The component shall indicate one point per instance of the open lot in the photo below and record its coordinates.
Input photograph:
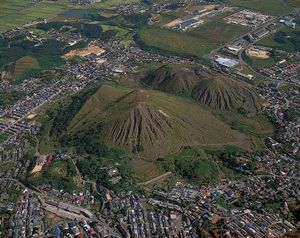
(259, 63)
(84, 52)
(140, 166)
(272, 7)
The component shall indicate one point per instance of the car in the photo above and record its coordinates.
(86, 228)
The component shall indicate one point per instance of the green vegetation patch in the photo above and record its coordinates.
(173, 42)
(3, 137)
(12, 195)
(195, 42)
(272, 206)
(24, 64)
(15, 13)
(195, 165)
(61, 174)
(220, 201)
(6, 166)
(272, 7)
(217, 32)
(258, 127)
(261, 63)
(29, 60)
(245, 128)
(97, 169)
(8, 98)
(286, 39)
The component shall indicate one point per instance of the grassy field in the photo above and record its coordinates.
(197, 42)
(15, 13)
(175, 42)
(120, 32)
(218, 32)
(272, 7)
(270, 40)
(140, 166)
(24, 64)
(257, 127)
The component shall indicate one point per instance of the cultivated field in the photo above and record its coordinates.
(15, 13)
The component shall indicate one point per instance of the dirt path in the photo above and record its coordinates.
(161, 177)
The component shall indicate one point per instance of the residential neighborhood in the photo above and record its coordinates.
(73, 182)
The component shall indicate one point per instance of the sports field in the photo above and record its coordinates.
(272, 7)
(15, 13)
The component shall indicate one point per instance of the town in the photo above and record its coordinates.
(260, 202)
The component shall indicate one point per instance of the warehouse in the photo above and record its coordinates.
(227, 62)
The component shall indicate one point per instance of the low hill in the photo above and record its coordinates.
(210, 89)
(225, 93)
(153, 123)
(174, 79)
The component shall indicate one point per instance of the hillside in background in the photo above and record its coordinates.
(207, 88)
(225, 93)
(153, 123)
(174, 79)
